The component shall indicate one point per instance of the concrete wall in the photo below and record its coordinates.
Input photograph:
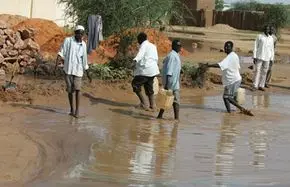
(46, 9)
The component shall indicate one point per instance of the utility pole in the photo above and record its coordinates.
(31, 8)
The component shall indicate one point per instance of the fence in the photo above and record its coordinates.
(238, 19)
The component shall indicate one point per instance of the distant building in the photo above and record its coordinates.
(45, 9)
(202, 11)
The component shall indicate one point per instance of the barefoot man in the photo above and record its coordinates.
(231, 77)
(73, 53)
(146, 68)
(171, 77)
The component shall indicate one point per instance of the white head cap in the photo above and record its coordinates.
(79, 27)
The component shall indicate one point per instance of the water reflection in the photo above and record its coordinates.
(261, 101)
(259, 146)
(142, 154)
(225, 149)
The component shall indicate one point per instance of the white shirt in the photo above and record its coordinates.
(147, 60)
(75, 57)
(231, 69)
(264, 48)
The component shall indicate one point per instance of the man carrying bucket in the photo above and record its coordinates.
(171, 77)
(231, 78)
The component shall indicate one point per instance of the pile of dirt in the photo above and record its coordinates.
(108, 48)
(53, 45)
(44, 30)
(12, 20)
(222, 28)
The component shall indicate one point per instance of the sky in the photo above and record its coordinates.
(263, 1)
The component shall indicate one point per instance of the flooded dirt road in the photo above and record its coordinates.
(114, 144)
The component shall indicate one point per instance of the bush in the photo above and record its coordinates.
(120, 69)
(195, 73)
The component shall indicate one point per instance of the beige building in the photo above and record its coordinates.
(46, 9)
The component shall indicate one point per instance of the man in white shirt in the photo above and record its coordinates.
(263, 55)
(231, 77)
(275, 39)
(73, 53)
(146, 68)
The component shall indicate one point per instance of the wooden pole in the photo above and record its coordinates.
(31, 8)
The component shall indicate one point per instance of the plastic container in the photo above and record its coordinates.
(156, 86)
(165, 99)
(241, 96)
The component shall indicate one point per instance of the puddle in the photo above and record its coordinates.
(208, 148)
(121, 146)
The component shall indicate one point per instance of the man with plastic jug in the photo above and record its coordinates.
(146, 68)
(231, 77)
(171, 77)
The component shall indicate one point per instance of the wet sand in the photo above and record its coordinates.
(114, 144)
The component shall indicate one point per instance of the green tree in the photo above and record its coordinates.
(119, 15)
(219, 4)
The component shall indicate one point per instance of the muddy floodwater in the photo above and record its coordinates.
(114, 144)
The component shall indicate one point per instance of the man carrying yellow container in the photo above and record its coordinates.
(171, 77)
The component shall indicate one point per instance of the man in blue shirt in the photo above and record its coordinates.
(171, 76)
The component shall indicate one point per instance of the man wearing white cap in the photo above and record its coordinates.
(73, 53)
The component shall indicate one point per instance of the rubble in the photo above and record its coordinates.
(17, 46)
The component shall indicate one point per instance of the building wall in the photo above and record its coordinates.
(199, 4)
(46, 9)
(205, 4)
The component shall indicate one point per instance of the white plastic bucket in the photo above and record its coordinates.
(241, 96)
(165, 99)
(156, 86)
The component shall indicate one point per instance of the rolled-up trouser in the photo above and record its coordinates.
(145, 81)
(231, 90)
(261, 73)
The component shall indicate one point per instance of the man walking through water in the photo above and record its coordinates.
(231, 78)
(263, 55)
(73, 53)
(146, 68)
(171, 77)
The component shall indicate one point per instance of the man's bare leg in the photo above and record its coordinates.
(176, 111)
(77, 103)
(152, 101)
(160, 115)
(243, 110)
(227, 105)
(141, 98)
(70, 98)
